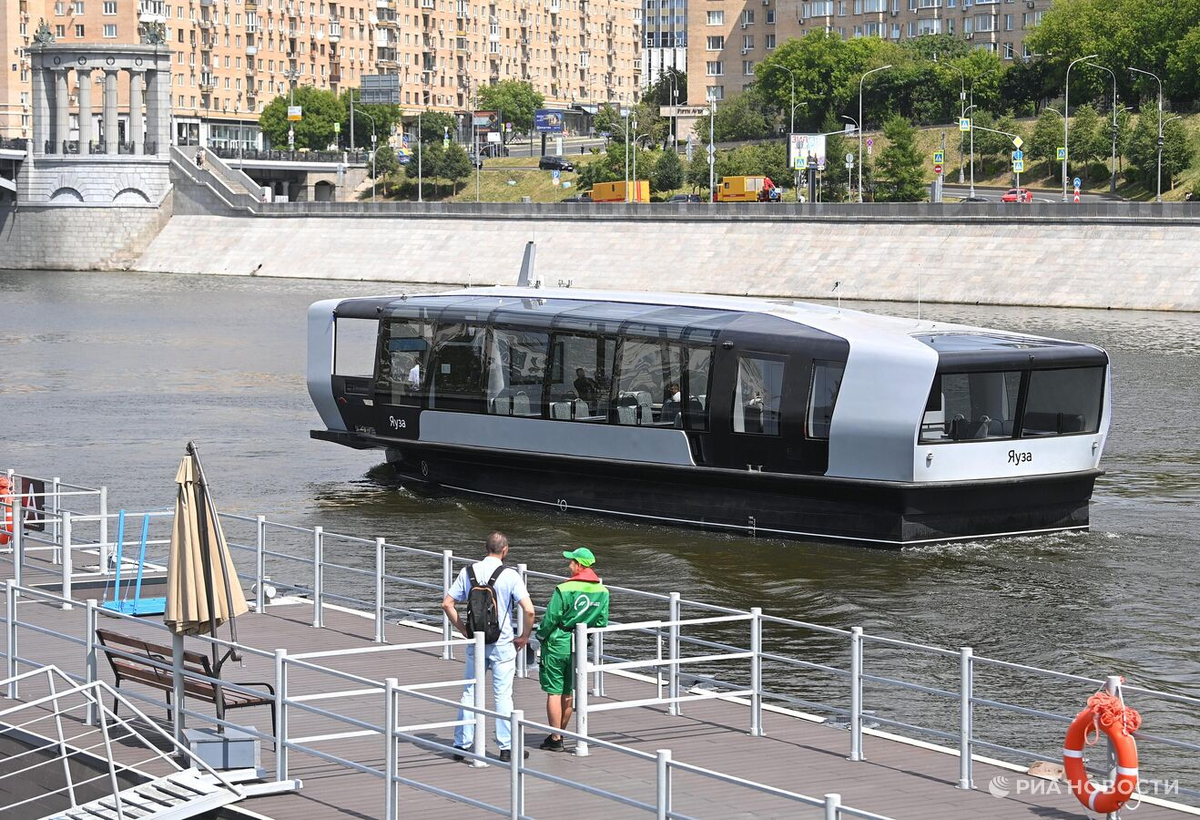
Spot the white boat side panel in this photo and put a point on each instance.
(320, 362)
(606, 441)
(879, 406)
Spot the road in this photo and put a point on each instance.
(951, 192)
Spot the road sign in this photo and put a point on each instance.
(291, 137)
(870, 141)
(508, 127)
(1077, 182)
(1018, 166)
(445, 137)
(555, 177)
(337, 128)
(964, 124)
(379, 89)
(1076, 195)
(937, 169)
(1018, 154)
(939, 157)
(295, 113)
(1018, 142)
(712, 150)
(1062, 153)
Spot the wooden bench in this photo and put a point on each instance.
(133, 659)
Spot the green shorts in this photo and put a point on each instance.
(556, 672)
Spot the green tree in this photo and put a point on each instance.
(454, 165)
(672, 80)
(517, 101)
(1183, 71)
(668, 171)
(321, 109)
(385, 117)
(431, 161)
(833, 180)
(386, 162)
(1177, 154)
(697, 171)
(745, 116)
(1086, 137)
(1047, 136)
(900, 171)
(1178, 150)
(436, 123)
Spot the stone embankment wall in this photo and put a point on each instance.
(1098, 256)
(78, 237)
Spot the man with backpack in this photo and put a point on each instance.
(579, 599)
(489, 588)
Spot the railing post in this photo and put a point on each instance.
(856, 647)
(318, 619)
(90, 623)
(55, 507)
(447, 582)
(68, 565)
(260, 562)
(516, 774)
(833, 806)
(966, 670)
(10, 626)
(581, 688)
(480, 672)
(662, 784)
(1112, 685)
(756, 726)
(177, 675)
(673, 655)
(104, 530)
(391, 798)
(281, 715)
(522, 660)
(18, 538)
(380, 567)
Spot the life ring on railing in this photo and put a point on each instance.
(1104, 713)
(6, 499)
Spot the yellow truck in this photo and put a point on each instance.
(639, 191)
(745, 189)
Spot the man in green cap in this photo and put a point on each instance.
(579, 599)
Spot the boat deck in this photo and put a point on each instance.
(897, 779)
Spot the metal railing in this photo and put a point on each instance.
(278, 155)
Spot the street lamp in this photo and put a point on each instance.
(712, 146)
(633, 179)
(1067, 121)
(849, 172)
(625, 131)
(791, 102)
(966, 111)
(292, 75)
(1158, 195)
(962, 101)
(860, 120)
(420, 169)
(373, 150)
(1112, 180)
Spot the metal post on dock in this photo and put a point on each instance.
(673, 655)
(55, 508)
(480, 672)
(18, 538)
(68, 565)
(104, 531)
(966, 669)
(10, 626)
(856, 657)
(318, 618)
(516, 774)
(1112, 685)
(522, 658)
(662, 784)
(177, 675)
(380, 568)
(260, 562)
(89, 627)
(391, 798)
(281, 727)
(756, 726)
(833, 806)
(581, 690)
(447, 580)
(597, 656)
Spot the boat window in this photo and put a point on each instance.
(759, 392)
(822, 397)
(696, 386)
(580, 377)
(354, 347)
(403, 351)
(456, 367)
(971, 406)
(646, 370)
(516, 371)
(1063, 401)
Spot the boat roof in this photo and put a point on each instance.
(693, 315)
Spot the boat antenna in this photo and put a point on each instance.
(836, 285)
(528, 278)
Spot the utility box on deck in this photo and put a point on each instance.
(231, 750)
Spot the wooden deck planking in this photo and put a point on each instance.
(896, 779)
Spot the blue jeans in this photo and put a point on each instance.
(502, 663)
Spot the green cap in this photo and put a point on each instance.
(583, 555)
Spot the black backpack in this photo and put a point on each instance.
(483, 610)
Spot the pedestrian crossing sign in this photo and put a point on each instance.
(1018, 166)
(802, 163)
(964, 124)
(1062, 153)
(939, 157)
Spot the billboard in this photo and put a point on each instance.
(380, 89)
(548, 121)
(809, 146)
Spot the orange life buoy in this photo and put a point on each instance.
(1105, 712)
(7, 499)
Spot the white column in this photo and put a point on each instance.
(136, 122)
(151, 110)
(85, 109)
(41, 109)
(62, 112)
(112, 131)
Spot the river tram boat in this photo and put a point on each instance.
(750, 416)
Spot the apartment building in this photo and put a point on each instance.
(666, 43)
(232, 57)
(731, 37)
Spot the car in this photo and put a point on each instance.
(1017, 195)
(685, 198)
(584, 197)
(974, 199)
(553, 163)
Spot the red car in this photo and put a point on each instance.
(1018, 195)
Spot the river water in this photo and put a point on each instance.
(105, 376)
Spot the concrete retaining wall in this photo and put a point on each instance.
(80, 237)
(1121, 256)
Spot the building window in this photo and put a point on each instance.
(770, 44)
(715, 92)
(748, 68)
(770, 17)
(1008, 22)
(714, 68)
(110, 7)
(79, 6)
(1008, 51)
(60, 7)
(715, 43)
(60, 31)
(110, 29)
(79, 30)
(716, 18)
(748, 17)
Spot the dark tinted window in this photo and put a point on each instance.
(1063, 401)
(516, 371)
(822, 397)
(455, 380)
(971, 406)
(403, 361)
(758, 395)
(580, 377)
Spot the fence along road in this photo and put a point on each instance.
(334, 704)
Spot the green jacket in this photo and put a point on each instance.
(581, 599)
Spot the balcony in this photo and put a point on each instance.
(251, 70)
(335, 79)
(251, 5)
(207, 82)
(251, 51)
(335, 32)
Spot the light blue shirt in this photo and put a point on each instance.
(510, 590)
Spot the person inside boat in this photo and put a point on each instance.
(585, 388)
(671, 404)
